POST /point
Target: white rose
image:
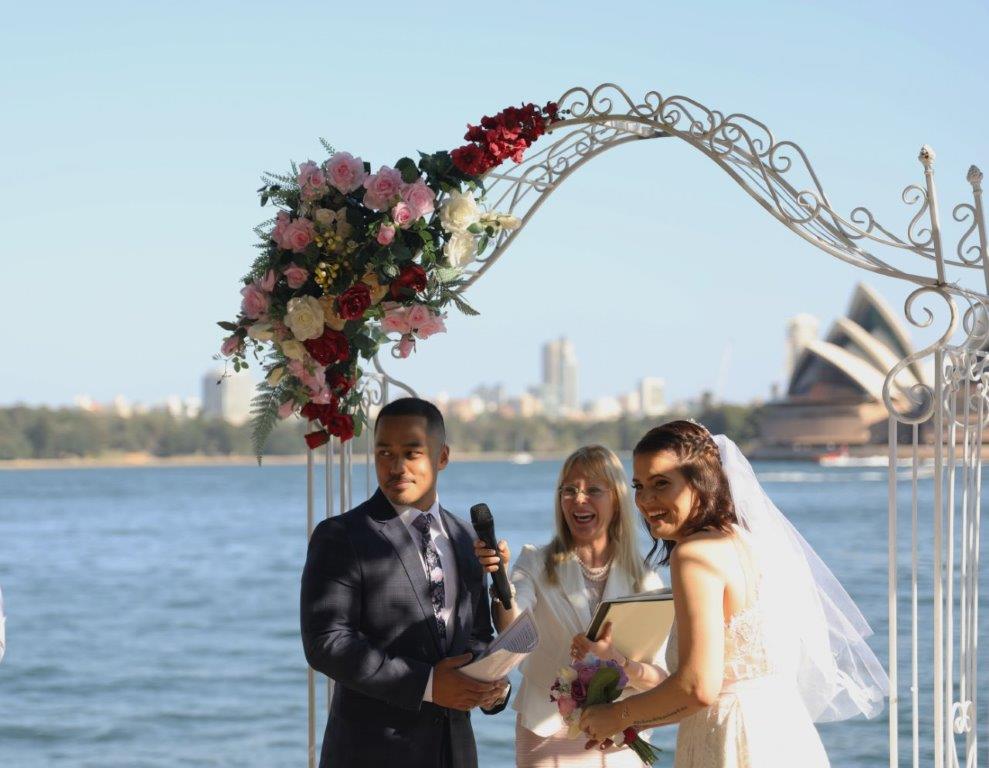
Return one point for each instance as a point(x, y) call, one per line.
point(458, 212)
point(261, 332)
point(567, 674)
point(293, 350)
point(305, 317)
point(509, 222)
point(459, 248)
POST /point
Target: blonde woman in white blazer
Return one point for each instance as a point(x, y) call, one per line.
point(593, 556)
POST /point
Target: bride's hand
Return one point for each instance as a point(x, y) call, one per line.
point(601, 721)
point(489, 559)
point(581, 646)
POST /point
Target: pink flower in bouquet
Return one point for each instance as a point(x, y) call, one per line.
point(386, 234)
point(433, 325)
point(586, 674)
point(382, 188)
point(286, 409)
point(403, 215)
point(406, 346)
point(267, 283)
point(255, 302)
point(566, 705)
point(419, 314)
point(230, 345)
point(297, 235)
point(578, 691)
point(311, 181)
point(296, 276)
point(420, 198)
point(282, 220)
point(345, 172)
point(396, 320)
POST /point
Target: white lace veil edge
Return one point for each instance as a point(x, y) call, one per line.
point(825, 633)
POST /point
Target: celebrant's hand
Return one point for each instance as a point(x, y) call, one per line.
point(602, 745)
point(455, 690)
point(489, 559)
point(602, 721)
point(581, 646)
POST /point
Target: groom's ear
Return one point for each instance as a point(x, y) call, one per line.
point(444, 457)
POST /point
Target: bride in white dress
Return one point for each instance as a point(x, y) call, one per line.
point(765, 640)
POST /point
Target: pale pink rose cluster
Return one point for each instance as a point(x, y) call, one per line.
point(311, 181)
point(313, 377)
point(345, 172)
point(256, 296)
point(292, 234)
point(295, 276)
point(417, 320)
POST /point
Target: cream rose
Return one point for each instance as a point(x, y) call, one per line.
point(261, 332)
point(378, 291)
point(293, 350)
point(305, 317)
point(330, 316)
point(459, 211)
point(459, 249)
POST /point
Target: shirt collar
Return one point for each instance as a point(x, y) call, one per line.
point(408, 514)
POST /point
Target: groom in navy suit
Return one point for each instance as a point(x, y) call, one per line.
point(393, 601)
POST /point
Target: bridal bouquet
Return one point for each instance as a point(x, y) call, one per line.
point(589, 682)
point(355, 258)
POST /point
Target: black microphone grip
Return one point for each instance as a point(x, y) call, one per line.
point(483, 522)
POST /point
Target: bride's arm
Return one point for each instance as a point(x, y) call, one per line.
point(698, 598)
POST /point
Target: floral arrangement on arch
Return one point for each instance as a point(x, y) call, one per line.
point(355, 259)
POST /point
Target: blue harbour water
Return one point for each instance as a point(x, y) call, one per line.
point(153, 613)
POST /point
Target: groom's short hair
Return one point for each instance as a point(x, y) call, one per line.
point(416, 406)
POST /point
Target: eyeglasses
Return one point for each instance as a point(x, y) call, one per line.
point(591, 493)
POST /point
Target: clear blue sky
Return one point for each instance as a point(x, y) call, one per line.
point(133, 135)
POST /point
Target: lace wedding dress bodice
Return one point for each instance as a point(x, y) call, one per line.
point(759, 719)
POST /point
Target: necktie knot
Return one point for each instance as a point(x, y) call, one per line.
point(423, 522)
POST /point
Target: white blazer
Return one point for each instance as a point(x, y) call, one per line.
point(561, 611)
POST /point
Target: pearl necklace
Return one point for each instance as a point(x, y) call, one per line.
point(593, 574)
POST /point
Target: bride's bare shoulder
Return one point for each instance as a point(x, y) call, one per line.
point(706, 546)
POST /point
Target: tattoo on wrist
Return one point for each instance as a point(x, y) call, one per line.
point(661, 718)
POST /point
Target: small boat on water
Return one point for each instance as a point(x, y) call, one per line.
point(521, 458)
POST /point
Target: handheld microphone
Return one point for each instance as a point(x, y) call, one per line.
point(483, 522)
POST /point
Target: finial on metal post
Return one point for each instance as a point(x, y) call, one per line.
point(974, 177)
point(926, 157)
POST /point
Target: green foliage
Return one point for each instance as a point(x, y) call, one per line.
point(264, 416)
point(603, 688)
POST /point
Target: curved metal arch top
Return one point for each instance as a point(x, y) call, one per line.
point(775, 173)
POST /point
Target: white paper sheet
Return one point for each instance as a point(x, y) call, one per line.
point(507, 651)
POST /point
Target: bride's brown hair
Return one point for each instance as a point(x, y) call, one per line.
point(700, 462)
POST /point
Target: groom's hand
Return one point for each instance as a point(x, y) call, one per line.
point(455, 690)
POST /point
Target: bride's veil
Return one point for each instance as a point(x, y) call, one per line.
point(819, 632)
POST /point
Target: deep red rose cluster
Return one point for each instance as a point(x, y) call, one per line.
point(506, 135)
point(331, 347)
point(412, 278)
point(335, 423)
point(353, 302)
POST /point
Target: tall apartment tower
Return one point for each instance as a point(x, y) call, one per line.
point(560, 378)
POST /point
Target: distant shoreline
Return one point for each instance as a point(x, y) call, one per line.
point(146, 460)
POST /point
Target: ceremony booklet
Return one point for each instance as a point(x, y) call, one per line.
point(640, 624)
point(507, 651)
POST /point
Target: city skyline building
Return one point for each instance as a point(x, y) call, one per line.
point(227, 395)
point(560, 382)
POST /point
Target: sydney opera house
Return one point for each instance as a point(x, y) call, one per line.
point(835, 391)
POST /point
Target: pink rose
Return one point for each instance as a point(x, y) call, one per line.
point(282, 220)
point(382, 188)
point(403, 215)
point(566, 705)
point(320, 395)
point(586, 674)
point(386, 234)
point(297, 235)
point(255, 301)
point(578, 691)
point(286, 409)
point(267, 283)
point(312, 181)
point(419, 314)
point(230, 345)
point(345, 172)
point(420, 198)
point(433, 325)
point(405, 346)
point(396, 321)
point(296, 276)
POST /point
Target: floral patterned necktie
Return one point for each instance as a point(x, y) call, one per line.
point(437, 591)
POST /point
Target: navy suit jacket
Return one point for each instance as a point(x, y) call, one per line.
point(367, 623)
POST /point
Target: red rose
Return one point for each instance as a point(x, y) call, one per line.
point(474, 133)
point(630, 734)
point(353, 302)
point(339, 384)
point(321, 412)
point(341, 425)
point(472, 159)
point(551, 109)
point(316, 439)
point(331, 347)
point(411, 278)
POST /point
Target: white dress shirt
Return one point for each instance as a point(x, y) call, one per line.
point(448, 562)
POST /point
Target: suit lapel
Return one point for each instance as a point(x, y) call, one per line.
point(463, 552)
point(394, 530)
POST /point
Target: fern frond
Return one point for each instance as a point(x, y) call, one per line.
point(264, 416)
point(463, 306)
point(327, 146)
point(274, 178)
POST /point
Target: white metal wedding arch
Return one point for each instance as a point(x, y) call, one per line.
point(954, 410)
